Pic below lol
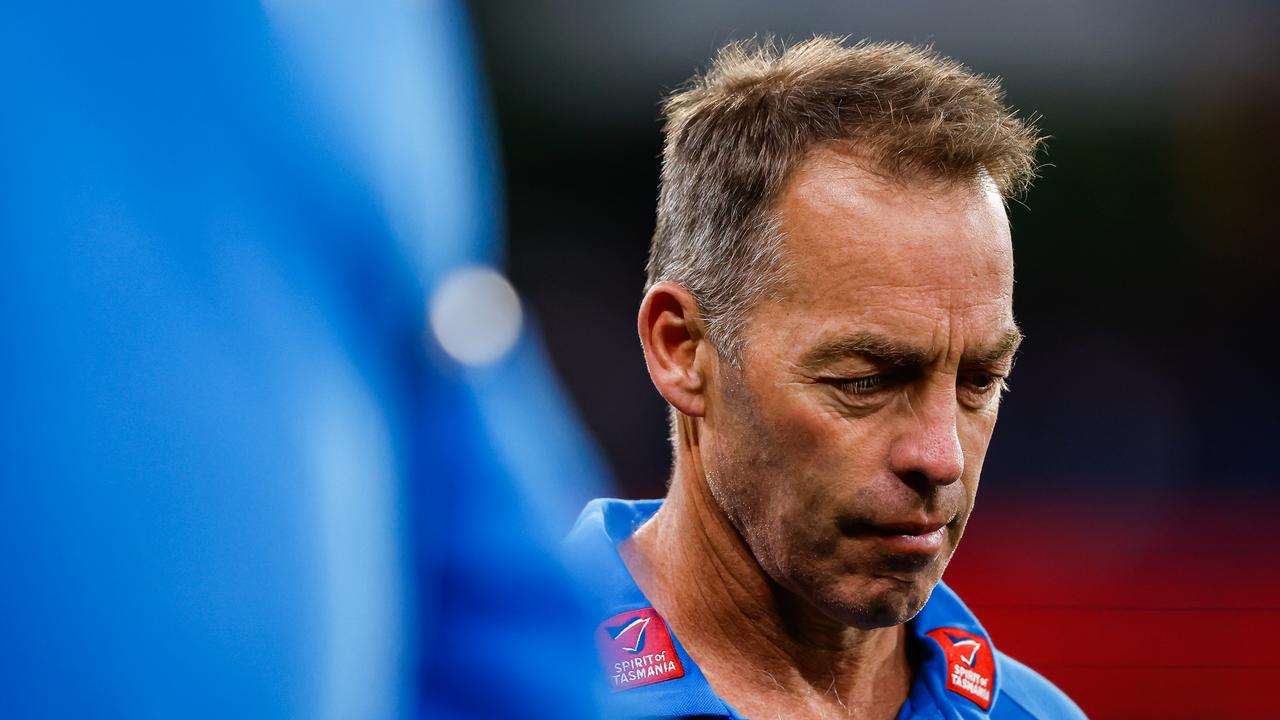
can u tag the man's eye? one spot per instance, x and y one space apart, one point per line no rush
983 383
865 385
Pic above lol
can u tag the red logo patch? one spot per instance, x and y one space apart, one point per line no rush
636 650
971 669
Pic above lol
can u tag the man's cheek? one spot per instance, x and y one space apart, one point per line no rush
803 548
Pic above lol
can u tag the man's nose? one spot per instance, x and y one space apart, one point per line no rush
927 450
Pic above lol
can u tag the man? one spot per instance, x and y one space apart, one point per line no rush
829 315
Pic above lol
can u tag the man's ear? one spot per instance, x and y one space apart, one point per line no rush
675 347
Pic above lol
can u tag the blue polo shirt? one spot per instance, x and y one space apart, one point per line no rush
649 674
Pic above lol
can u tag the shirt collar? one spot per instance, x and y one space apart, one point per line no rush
945 631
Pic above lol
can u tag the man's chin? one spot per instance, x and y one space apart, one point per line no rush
879 603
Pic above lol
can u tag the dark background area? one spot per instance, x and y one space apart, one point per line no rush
1141 428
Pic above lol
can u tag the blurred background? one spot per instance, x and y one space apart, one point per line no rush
277 438
1123 541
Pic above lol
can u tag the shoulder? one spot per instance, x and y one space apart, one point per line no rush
1026 694
605 522
591 553
956 639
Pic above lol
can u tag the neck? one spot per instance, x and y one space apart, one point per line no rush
766 651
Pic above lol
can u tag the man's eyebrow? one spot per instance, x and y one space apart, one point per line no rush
1005 349
890 353
868 346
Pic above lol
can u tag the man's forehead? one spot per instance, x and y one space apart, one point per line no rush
848 223
864 255
836 174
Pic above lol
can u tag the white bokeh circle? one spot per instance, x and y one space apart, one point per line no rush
475 315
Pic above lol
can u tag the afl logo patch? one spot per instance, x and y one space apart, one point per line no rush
971 668
636 650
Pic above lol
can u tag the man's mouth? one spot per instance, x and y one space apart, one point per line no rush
915 529
925 537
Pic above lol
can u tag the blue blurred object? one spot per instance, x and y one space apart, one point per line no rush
240 478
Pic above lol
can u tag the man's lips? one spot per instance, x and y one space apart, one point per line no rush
906 537
896 527
904 528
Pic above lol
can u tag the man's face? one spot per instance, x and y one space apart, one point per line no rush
847 448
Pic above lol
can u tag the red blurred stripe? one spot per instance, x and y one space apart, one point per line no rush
1135 609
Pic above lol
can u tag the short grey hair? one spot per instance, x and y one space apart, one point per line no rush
734 135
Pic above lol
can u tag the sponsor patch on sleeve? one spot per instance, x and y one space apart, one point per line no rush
636 650
971 668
